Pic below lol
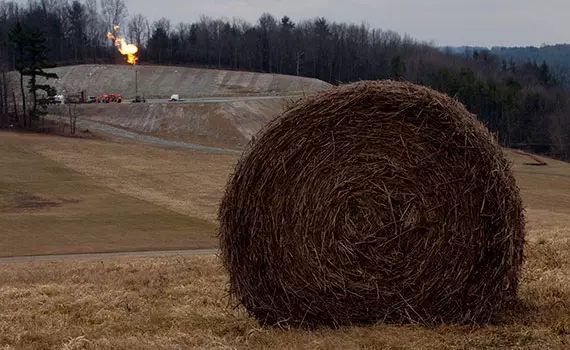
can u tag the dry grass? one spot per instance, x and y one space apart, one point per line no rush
61 195
173 303
183 181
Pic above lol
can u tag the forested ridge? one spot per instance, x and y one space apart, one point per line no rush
557 57
524 103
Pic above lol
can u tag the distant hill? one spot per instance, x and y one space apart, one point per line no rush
459 50
552 54
556 56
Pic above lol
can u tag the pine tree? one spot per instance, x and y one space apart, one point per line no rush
31 60
19 37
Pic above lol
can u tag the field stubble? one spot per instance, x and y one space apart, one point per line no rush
180 302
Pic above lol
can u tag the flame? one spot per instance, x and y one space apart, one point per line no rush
126 49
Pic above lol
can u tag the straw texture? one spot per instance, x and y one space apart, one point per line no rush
377 201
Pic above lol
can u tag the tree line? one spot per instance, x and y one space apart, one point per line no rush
524 103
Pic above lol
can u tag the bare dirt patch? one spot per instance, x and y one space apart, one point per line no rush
226 124
163 81
20 201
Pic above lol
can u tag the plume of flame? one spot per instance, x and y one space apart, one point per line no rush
126 49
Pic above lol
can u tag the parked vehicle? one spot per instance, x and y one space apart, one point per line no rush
107 98
74 99
54 100
139 99
175 98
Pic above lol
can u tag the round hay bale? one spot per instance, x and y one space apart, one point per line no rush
373 202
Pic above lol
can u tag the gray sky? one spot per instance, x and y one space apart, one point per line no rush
446 22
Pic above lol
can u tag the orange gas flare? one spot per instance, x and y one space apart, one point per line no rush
126 49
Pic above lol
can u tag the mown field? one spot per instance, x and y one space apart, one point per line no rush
63 195
101 195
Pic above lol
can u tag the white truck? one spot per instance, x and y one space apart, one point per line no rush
58 99
175 98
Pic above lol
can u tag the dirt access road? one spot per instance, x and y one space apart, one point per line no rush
111 130
222 99
219 121
122 132
113 255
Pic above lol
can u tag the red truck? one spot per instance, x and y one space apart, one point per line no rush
106 98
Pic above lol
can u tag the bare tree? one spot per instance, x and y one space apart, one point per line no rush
3 83
3 100
114 12
93 20
560 134
76 15
72 112
136 28
93 30
268 30
163 23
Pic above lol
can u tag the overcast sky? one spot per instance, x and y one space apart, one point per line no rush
445 22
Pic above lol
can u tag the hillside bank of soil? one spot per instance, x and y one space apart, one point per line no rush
240 104
227 124
164 81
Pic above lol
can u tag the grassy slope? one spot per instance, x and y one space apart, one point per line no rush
181 302
183 181
48 208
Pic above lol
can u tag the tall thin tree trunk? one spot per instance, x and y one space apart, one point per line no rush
23 100
5 93
15 107
3 113
35 103
2 100
35 106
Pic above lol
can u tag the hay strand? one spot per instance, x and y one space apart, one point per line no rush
377 201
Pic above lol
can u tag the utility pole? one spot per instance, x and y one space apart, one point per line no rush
136 80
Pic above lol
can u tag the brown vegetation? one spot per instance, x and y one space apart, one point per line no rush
169 303
375 201
166 303
183 181
65 195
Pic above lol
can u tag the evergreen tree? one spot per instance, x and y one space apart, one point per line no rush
31 60
19 36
